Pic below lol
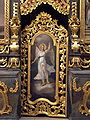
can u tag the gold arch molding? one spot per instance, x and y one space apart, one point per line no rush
62 6
44 24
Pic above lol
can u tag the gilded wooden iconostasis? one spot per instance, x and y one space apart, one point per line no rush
48 41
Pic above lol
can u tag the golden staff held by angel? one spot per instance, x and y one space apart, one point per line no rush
44 69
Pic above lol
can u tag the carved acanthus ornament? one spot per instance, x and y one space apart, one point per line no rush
44 24
83 108
62 6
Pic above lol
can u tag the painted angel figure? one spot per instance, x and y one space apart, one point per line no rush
44 69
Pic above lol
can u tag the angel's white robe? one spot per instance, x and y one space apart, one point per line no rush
42 64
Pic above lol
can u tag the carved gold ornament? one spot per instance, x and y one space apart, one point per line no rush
15 21
77 62
4 43
85 48
83 108
13 62
14 47
75 45
4 49
61 6
16 87
15 25
6 108
44 24
74 24
3 62
75 88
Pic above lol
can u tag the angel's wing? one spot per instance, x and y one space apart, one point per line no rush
51 56
37 52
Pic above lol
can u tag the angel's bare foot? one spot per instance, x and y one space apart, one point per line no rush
48 82
43 83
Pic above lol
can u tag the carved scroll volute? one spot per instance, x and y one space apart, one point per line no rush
5 108
14 90
83 108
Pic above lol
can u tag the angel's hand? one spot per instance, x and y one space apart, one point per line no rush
32 62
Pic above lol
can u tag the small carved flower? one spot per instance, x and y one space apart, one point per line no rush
62 67
15 20
74 20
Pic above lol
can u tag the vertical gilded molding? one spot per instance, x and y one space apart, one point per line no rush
15 21
82 20
74 25
6 19
4 43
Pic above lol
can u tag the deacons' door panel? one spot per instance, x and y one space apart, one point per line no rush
44 58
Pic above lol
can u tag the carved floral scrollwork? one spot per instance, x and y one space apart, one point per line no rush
83 108
62 6
44 24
